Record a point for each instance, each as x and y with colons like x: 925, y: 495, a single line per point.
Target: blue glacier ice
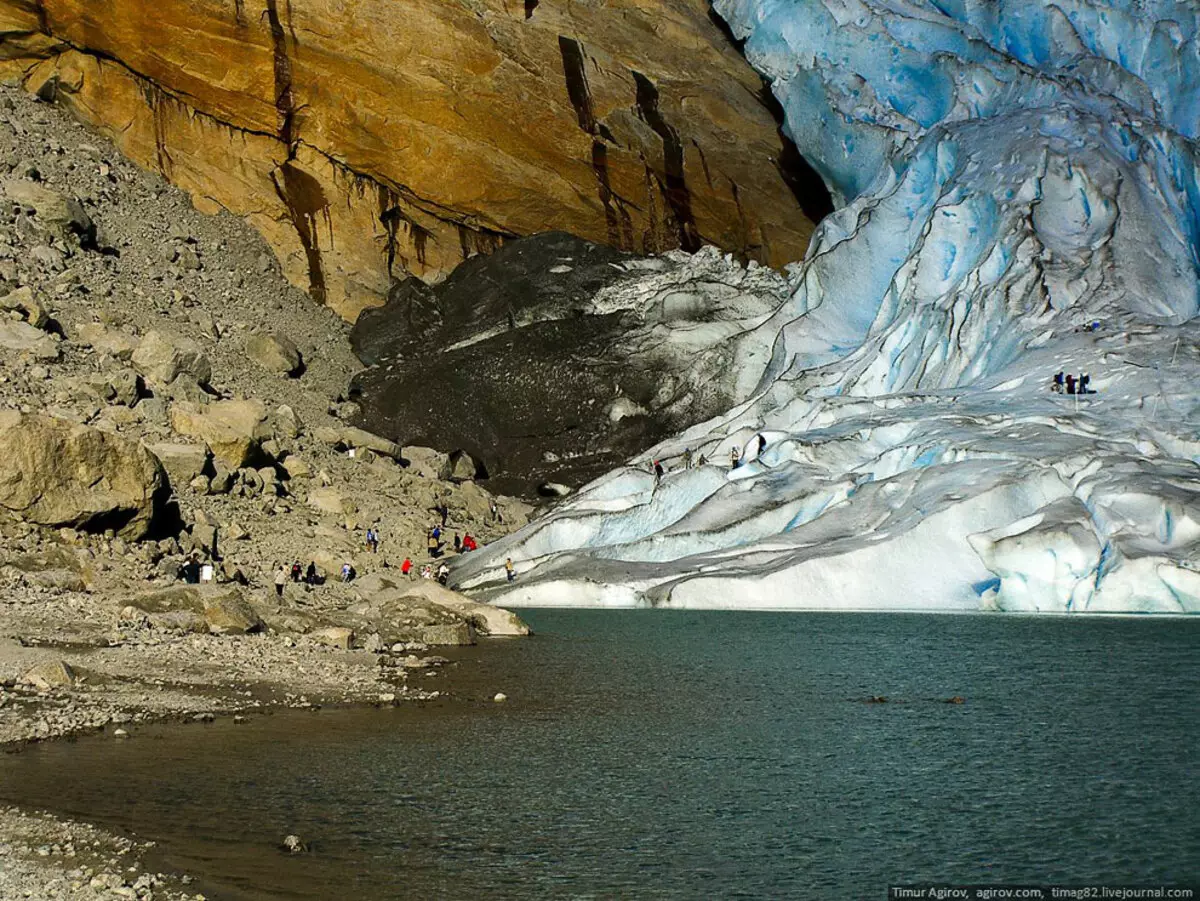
x: 1017, y: 191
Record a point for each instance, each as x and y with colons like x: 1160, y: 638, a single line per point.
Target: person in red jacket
x: 406, y: 568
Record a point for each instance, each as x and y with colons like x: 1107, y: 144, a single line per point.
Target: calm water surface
x: 653, y: 754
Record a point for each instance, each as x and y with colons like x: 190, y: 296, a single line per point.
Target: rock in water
x: 57, y: 474
x: 551, y: 376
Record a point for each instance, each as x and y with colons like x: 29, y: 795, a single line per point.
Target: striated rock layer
x: 369, y: 140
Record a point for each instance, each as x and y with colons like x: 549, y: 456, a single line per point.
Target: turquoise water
x: 657, y: 754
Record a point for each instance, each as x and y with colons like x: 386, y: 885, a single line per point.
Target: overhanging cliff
x: 369, y: 140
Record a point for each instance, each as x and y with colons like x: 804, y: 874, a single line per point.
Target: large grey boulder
x: 58, y: 474
x: 183, y: 462
x: 161, y: 358
x: 234, y: 430
x: 23, y: 338
x: 22, y: 301
x: 56, y: 211
x: 486, y: 618
x: 275, y: 353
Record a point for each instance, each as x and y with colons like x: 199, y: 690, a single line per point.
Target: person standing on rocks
x: 658, y: 472
x: 733, y: 457
x: 406, y: 568
x: 509, y: 569
x: 373, y: 540
x: 443, y: 574
x: 281, y: 578
x: 310, y: 574
x: 495, y: 511
x: 443, y: 511
x: 347, y: 572
x: 297, y: 571
x: 457, y: 544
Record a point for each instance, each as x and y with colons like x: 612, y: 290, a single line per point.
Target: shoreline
x: 48, y: 854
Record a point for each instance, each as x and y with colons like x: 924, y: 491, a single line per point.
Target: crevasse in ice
x: 1018, y: 193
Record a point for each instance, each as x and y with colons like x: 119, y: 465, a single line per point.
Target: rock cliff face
x: 369, y: 140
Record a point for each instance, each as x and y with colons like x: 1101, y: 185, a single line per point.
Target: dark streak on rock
x: 677, y: 195
x: 285, y: 102
x: 157, y: 101
x: 577, y: 86
x: 530, y: 6
x: 703, y: 162
x: 239, y: 13
x: 305, y: 200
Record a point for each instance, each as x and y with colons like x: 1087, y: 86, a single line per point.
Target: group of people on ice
x: 690, y: 461
x: 1071, y: 383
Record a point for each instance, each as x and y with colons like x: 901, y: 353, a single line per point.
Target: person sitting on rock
x: 443, y: 574
x: 406, y: 568
x: 468, y: 543
x: 433, y: 544
x: 426, y: 571
x: 281, y: 578
x: 509, y: 570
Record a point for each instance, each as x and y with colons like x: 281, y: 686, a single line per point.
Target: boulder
x: 355, y: 437
x: 185, y: 621
x: 275, y: 353
x: 286, y: 422
x: 231, y: 614
x: 22, y: 301
x: 126, y: 386
x: 328, y: 500
x: 113, y: 342
x: 233, y: 429
x: 333, y: 636
x: 58, y: 212
x: 460, y: 467
x: 486, y: 618
x: 50, y: 674
x: 21, y: 337
x: 182, y: 462
x: 161, y: 358
x: 57, y: 474
x: 426, y: 462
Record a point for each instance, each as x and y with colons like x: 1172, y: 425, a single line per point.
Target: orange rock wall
x: 369, y: 139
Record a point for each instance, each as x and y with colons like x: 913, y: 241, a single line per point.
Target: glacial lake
x: 660, y: 754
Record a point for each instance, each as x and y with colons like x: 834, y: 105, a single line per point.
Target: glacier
x: 1017, y: 192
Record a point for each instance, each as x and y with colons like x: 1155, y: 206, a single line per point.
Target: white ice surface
x: 1008, y: 173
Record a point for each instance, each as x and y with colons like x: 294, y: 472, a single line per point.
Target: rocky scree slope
x: 166, y: 395
x: 370, y: 140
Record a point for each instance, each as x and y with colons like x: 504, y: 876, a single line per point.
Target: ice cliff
x: 1018, y: 193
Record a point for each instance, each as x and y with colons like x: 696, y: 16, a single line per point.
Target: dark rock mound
x: 505, y: 360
